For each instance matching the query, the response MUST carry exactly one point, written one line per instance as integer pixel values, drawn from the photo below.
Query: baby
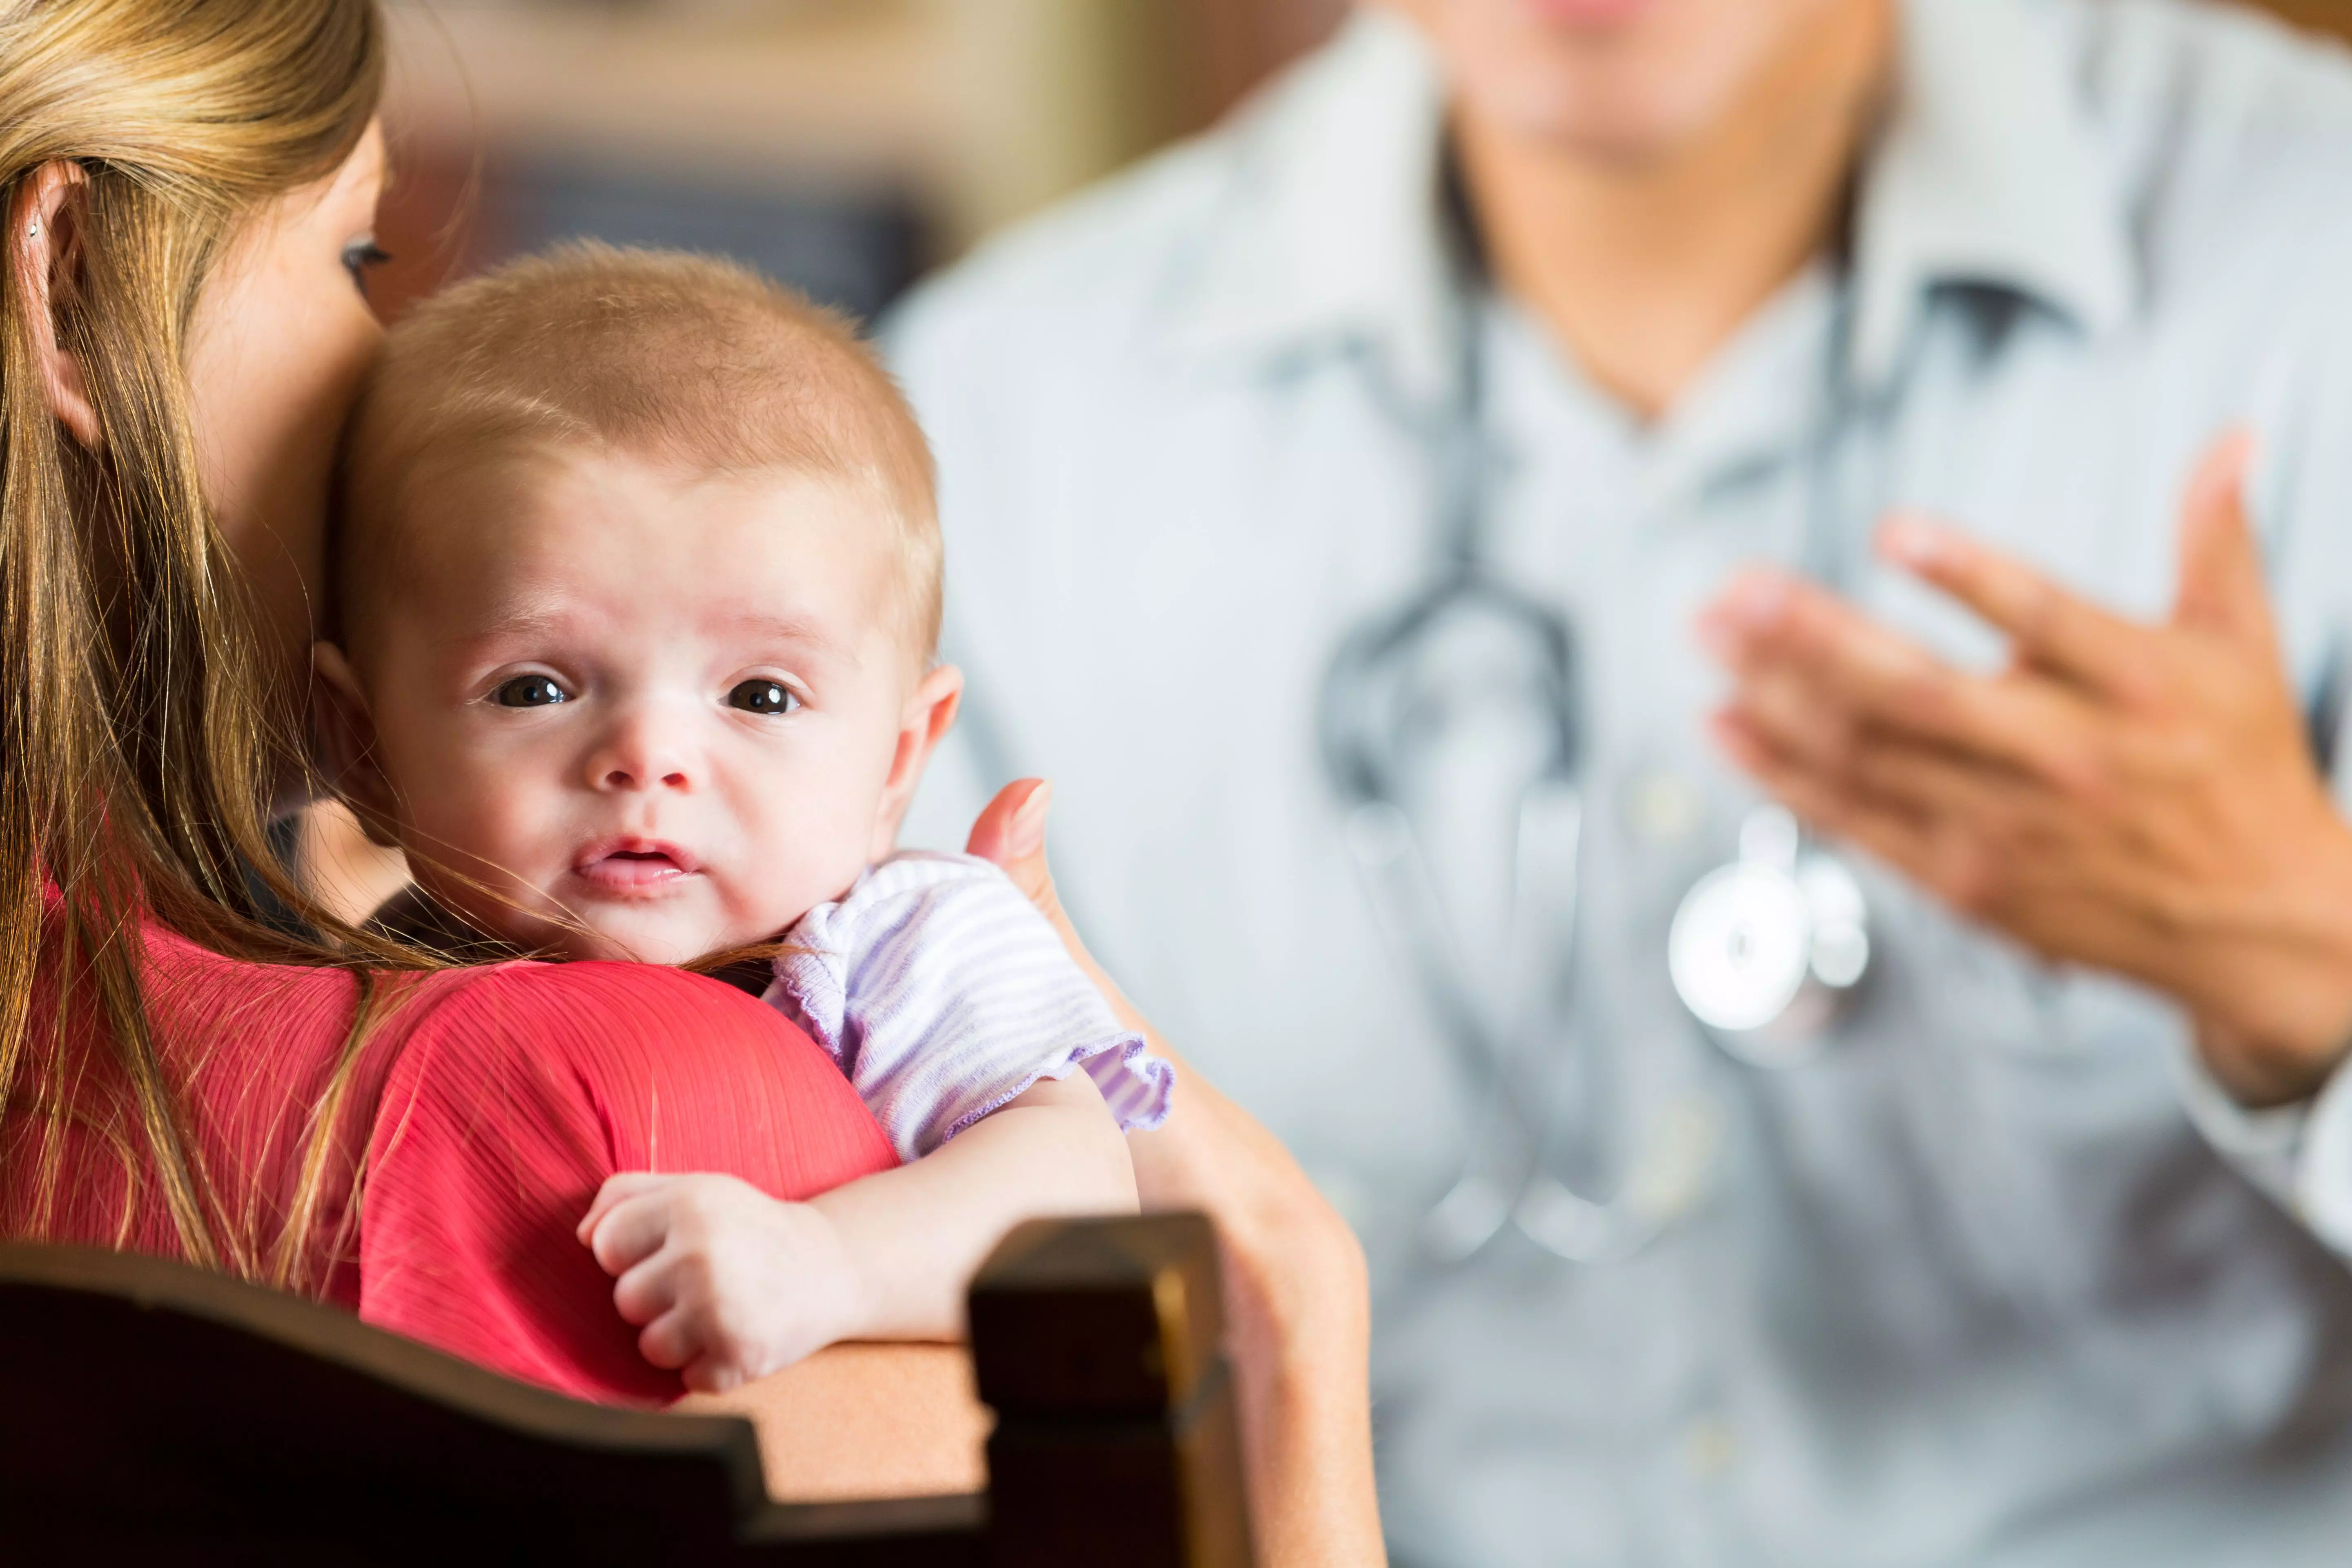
(637, 591)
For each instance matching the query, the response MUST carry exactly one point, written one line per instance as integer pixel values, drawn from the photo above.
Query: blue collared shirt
(1971, 1285)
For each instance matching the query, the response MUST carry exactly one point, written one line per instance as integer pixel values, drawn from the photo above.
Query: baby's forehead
(474, 532)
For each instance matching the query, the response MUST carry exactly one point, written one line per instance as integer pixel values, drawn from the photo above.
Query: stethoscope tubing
(1514, 1131)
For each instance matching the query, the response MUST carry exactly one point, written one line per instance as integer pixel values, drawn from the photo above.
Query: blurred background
(844, 146)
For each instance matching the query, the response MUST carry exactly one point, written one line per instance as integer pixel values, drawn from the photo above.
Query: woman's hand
(1296, 1299)
(2135, 798)
(726, 1283)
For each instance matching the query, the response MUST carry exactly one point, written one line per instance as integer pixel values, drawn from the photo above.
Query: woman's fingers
(2050, 627)
(1010, 832)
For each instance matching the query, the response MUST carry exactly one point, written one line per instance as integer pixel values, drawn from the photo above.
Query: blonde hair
(677, 359)
(139, 746)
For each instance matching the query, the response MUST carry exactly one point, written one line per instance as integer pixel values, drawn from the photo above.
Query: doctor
(1638, 317)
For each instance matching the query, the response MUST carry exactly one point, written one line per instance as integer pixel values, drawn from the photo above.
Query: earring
(33, 229)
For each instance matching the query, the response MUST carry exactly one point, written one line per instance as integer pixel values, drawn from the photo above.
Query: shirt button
(1711, 1447)
(1664, 807)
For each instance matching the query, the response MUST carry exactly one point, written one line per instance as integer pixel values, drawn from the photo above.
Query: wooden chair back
(152, 1411)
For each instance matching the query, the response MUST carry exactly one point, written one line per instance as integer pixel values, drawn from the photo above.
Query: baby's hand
(728, 1283)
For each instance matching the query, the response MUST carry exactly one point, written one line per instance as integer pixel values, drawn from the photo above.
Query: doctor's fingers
(2050, 628)
(1939, 852)
(1989, 841)
(1991, 846)
(1828, 801)
(1829, 678)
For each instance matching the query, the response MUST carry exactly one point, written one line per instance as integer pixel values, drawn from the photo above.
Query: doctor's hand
(2131, 797)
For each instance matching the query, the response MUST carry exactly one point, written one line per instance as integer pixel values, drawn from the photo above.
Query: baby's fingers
(673, 1340)
(631, 1232)
(617, 1190)
(713, 1375)
(651, 1289)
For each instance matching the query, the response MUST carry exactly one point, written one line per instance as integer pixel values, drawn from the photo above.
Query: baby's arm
(728, 1284)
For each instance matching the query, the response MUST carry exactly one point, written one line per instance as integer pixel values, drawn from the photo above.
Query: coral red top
(487, 1104)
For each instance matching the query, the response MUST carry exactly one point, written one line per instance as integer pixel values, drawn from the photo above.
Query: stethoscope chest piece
(1767, 950)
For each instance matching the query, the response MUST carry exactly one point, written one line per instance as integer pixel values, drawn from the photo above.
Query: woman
(189, 191)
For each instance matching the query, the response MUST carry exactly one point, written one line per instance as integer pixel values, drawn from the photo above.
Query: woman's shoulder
(602, 1037)
(516, 1092)
(663, 1068)
(605, 1020)
(597, 1008)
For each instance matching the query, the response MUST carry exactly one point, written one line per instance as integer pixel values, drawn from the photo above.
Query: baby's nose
(641, 754)
(641, 778)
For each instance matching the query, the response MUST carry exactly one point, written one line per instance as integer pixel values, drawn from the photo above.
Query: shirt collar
(1987, 171)
(1333, 235)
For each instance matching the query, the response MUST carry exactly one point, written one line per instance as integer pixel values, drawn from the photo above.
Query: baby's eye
(762, 696)
(529, 692)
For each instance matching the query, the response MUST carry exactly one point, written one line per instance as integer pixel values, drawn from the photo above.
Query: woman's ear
(930, 714)
(45, 232)
(345, 733)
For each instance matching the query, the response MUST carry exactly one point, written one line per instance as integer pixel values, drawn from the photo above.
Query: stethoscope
(1766, 952)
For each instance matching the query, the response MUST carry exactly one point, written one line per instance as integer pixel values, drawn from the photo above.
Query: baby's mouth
(634, 866)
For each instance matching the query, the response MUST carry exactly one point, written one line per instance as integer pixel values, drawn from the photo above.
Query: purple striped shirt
(943, 993)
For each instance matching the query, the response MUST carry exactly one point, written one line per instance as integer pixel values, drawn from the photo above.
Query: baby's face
(675, 710)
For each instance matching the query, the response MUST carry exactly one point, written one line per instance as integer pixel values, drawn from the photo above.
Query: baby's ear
(344, 733)
(930, 714)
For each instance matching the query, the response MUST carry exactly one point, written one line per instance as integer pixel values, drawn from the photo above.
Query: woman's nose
(641, 753)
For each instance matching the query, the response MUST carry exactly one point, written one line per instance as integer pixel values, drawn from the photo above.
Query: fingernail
(1730, 731)
(1913, 543)
(1715, 633)
(1028, 835)
(1756, 600)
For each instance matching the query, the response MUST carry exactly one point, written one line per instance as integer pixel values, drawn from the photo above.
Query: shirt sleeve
(2300, 1154)
(943, 993)
(513, 1099)
(2301, 496)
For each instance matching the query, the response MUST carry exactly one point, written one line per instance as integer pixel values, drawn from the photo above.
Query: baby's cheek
(484, 819)
(805, 854)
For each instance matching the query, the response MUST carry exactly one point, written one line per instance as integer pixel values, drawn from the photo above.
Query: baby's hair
(671, 358)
